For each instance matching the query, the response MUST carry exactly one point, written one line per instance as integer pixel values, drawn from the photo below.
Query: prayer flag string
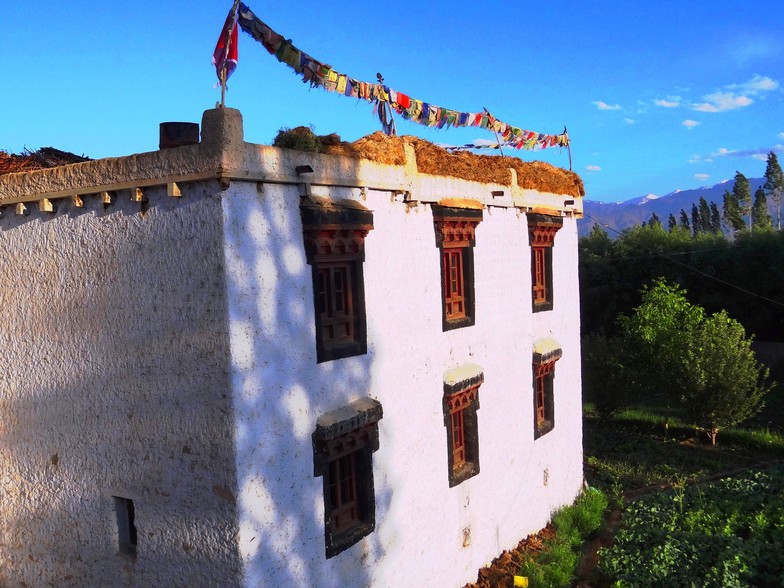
(322, 75)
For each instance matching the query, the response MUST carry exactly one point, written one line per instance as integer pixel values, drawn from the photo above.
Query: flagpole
(497, 138)
(223, 86)
(228, 48)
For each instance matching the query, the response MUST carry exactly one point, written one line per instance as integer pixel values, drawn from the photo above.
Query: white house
(228, 364)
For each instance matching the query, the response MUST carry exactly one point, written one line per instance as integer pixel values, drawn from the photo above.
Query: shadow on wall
(116, 381)
(280, 392)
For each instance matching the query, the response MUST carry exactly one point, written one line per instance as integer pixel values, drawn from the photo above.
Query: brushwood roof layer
(434, 160)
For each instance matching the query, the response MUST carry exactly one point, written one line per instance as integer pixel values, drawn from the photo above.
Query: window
(455, 236)
(334, 232)
(546, 352)
(335, 308)
(126, 525)
(343, 445)
(541, 231)
(460, 404)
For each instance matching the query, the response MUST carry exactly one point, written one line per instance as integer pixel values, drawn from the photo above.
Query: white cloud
(760, 156)
(670, 102)
(721, 152)
(629, 121)
(690, 124)
(593, 168)
(756, 84)
(604, 106)
(701, 177)
(729, 97)
(735, 96)
(722, 101)
(781, 135)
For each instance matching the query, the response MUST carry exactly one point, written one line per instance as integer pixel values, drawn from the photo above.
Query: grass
(634, 449)
(556, 564)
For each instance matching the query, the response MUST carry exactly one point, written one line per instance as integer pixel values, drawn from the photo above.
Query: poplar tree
(741, 192)
(671, 222)
(705, 216)
(731, 214)
(684, 221)
(774, 185)
(759, 212)
(696, 221)
(655, 220)
(715, 219)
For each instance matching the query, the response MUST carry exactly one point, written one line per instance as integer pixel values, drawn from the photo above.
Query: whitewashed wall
(169, 357)
(114, 381)
(280, 391)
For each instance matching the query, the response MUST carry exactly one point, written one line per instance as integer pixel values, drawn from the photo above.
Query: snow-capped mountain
(620, 215)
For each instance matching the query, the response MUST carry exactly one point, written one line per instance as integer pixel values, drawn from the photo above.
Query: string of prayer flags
(319, 74)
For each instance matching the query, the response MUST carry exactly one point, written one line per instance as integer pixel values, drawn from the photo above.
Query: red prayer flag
(225, 54)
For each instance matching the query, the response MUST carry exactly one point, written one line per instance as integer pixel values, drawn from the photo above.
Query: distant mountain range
(620, 215)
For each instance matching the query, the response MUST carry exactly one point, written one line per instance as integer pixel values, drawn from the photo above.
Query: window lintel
(456, 227)
(355, 415)
(546, 350)
(461, 378)
(542, 229)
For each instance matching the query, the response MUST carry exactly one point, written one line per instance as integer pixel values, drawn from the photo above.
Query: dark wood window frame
(546, 353)
(541, 232)
(334, 233)
(127, 535)
(456, 237)
(460, 405)
(343, 446)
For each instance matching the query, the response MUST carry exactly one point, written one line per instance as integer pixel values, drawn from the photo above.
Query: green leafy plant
(556, 564)
(727, 533)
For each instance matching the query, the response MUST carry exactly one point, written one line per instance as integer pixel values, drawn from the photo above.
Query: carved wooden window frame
(544, 390)
(541, 232)
(455, 230)
(343, 443)
(334, 235)
(460, 406)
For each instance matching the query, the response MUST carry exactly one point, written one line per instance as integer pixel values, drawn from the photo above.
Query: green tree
(715, 219)
(723, 384)
(684, 220)
(656, 334)
(759, 212)
(596, 244)
(741, 193)
(705, 215)
(655, 220)
(733, 219)
(696, 221)
(671, 222)
(609, 374)
(774, 185)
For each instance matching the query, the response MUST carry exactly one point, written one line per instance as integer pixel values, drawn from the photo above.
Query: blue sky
(657, 96)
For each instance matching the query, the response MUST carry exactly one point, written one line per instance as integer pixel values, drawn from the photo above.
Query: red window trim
(541, 371)
(540, 275)
(454, 282)
(457, 404)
